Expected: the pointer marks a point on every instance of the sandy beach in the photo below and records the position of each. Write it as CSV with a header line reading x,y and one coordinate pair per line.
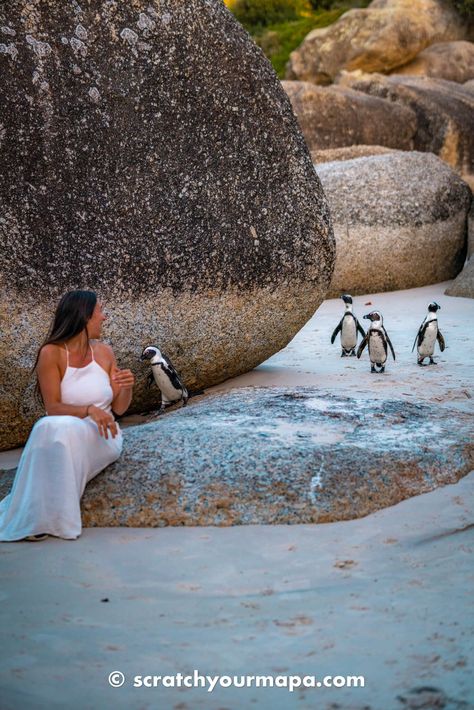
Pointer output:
x,y
388,596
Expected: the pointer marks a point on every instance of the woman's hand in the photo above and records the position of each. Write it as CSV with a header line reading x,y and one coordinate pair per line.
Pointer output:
x,y
122,382
124,379
105,421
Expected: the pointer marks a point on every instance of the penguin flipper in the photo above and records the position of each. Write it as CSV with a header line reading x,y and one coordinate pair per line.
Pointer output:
x,y
336,331
360,328
441,341
172,374
420,335
362,346
150,380
389,342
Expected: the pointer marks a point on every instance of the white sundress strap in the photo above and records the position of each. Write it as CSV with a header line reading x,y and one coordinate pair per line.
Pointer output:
x,y
92,352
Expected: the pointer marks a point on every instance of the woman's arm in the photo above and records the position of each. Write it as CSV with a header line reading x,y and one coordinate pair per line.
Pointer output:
x,y
122,382
49,380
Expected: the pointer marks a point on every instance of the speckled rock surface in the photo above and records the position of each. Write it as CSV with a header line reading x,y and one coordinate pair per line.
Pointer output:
x,y
453,61
335,116
399,220
463,284
444,112
348,152
278,455
385,35
152,155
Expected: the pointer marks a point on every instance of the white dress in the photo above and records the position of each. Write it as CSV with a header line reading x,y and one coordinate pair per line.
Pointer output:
x,y
61,455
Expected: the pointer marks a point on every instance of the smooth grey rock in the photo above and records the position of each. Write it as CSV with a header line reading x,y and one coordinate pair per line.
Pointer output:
x,y
453,61
335,116
278,455
444,114
348,152
463,284
399,221
150,153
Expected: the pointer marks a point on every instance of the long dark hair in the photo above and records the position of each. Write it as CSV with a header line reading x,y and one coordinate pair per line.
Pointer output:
x,y
73,312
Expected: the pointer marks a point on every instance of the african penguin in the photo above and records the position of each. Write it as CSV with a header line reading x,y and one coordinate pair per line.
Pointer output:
x,y
165,376
378,342
427,335
349,326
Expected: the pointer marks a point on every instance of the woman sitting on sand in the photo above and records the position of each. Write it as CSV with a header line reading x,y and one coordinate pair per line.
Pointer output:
x,y
81,387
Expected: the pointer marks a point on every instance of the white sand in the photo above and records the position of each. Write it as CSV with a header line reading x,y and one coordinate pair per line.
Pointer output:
x,y
310,359
388,596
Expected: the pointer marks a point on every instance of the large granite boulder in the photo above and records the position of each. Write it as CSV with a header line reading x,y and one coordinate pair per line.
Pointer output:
x,y
278,455
399,221
453,61
379,38
150,153
463,284
444,114
335,116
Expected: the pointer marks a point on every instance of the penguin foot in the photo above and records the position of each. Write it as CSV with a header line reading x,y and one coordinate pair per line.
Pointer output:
x,y
343,354
155,414
353,353
372,369
382,369
432,362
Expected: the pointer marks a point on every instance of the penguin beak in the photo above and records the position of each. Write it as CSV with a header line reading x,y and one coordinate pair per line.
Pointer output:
x,y
367,317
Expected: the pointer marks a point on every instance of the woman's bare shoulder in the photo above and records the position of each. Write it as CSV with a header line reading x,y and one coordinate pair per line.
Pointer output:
x,y
50,353
104,349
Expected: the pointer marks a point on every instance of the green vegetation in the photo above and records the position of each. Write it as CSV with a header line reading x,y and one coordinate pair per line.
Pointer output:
x,y
279,26
278,40
254,13
465,8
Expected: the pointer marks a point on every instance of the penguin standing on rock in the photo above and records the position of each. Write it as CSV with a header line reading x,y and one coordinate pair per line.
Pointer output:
x,y
378,342
428,334
348,326
165,376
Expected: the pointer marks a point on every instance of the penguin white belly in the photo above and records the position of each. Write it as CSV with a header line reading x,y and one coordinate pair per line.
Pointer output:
x,y
376,348
348,333
168,392
429,338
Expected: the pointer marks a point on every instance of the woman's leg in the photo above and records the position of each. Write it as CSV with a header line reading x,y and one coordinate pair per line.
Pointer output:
x,y
61,455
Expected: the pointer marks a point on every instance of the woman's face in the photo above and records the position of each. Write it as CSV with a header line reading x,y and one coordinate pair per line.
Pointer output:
x,y
94,326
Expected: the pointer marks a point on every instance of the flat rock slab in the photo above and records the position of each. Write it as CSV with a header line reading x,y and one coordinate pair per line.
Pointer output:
x,y
278,455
